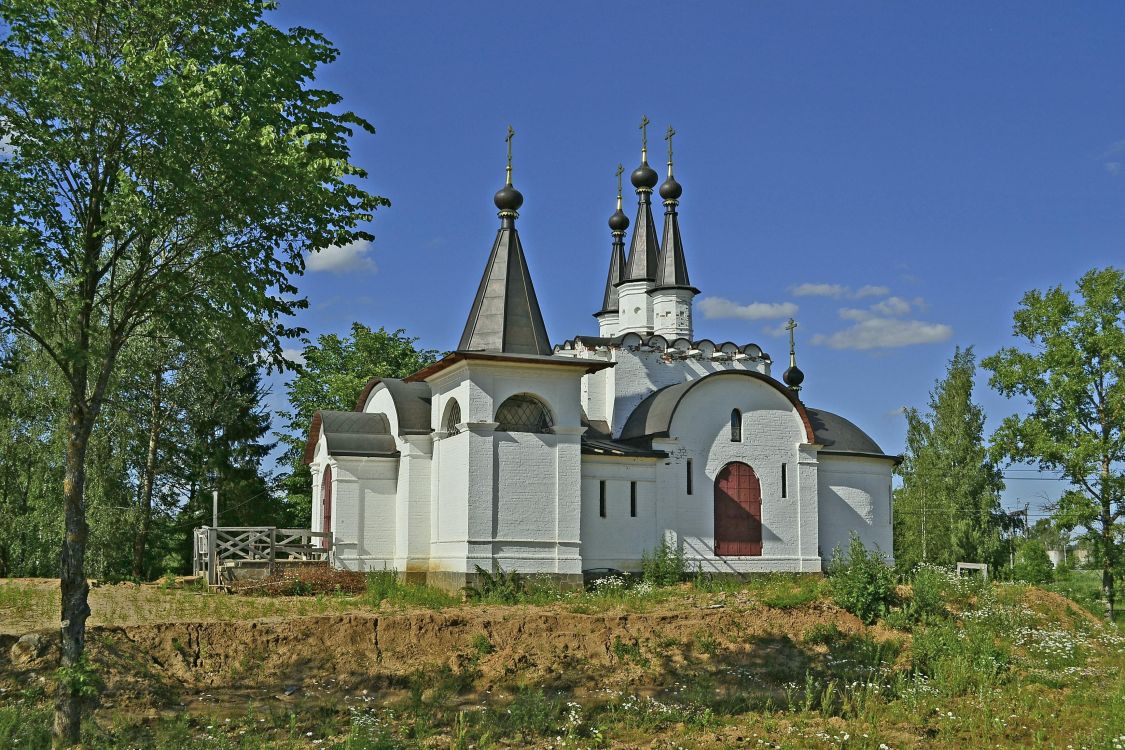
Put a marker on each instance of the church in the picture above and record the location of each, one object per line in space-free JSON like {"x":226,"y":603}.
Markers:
{"x":512,"y":452}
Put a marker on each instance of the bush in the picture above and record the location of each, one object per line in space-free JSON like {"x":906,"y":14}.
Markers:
{"x":927,"y":595}
{"x":664,"y":566}
{"x":1032,"y":563}
{"x":504,"y":587}
{"x":861,"y":583}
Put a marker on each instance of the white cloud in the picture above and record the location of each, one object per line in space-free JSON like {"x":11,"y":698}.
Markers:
{"x":884,"y":333}
{"x":296,"y":356}
{"x":347,"y":258}
{"x":894,"y":307}
{"x":871,"y":290}
{"x":1113,"y":167}
{"x":836,"y":291}
{"x":717,"y":307}
{"x":819,"y":290}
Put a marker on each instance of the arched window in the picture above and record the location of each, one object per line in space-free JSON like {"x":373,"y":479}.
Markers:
{"x":736,"y":426}
{"x":523,"y":413}
{"x":451,"y":424}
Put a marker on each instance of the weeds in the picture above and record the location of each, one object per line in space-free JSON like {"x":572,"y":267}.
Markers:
{"x":665,"y":565}
{"x":861,"y":583}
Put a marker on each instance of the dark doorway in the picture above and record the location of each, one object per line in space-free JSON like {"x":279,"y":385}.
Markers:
{"x":738,"y":511}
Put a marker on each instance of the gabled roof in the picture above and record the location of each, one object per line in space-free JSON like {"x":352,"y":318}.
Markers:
{"x":411,"y":400}
{"x":505,"y":315}
{"x":653,"y":416}
{"x":350,"y":433}
{"x":644,"y":249}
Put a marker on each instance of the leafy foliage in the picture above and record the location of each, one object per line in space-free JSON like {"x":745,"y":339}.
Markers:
{"x":1033,"y":565}
{"x":862,"y":582}
{"x":664,"y":565}
{"x":506,"y":587}
{"x":948,"y":508}
{"x":333,"y":374}
{"x":1073,"y":379}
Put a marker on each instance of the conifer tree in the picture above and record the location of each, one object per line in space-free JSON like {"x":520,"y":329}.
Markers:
{"x":948,"y":508}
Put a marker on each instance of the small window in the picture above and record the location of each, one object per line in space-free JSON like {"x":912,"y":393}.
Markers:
{"x":451,"y":425}
{"x":633,"y":499}
{"x":689,"y":476}
{"x":601,"y":498}
{"x":523,"y":413}
{"x":784,"y":482}
{"x":736,"y":426}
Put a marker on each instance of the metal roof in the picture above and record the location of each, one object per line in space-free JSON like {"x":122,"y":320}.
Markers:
{"x":653,"y":416}
{"x":411,"y":400}
{"x":671,"y":263}
{"x":643,"y":251}
{"x":610,"y":300}
{"x":841,"y":436}
{"x":350,"y":433}
{"x":505,"y":315}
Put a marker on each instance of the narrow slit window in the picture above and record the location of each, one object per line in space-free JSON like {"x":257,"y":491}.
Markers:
{"x":784,"y":482}
{"x":601,"y":498}
{"x":633,"y":499}
{"x":736,"y":426}
{"x":689,"y":476}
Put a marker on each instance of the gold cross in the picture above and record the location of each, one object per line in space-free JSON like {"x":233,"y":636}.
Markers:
{"x":644,"y":132}
{"x":790,"y":326}
{"x":508,"y":140}
{"x":619,"y":172}
{"x":668,"y":137}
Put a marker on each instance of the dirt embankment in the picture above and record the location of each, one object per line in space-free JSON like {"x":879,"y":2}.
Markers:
{"x":544,"y":645}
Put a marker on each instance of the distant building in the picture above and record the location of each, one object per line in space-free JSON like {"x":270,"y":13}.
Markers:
{"x":555,"y":459}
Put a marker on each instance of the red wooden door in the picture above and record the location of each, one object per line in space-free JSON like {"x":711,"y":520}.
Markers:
{"x":326,"y":504}
{"x":738,"y":511}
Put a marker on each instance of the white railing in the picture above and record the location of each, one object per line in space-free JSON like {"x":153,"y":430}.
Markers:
{"x":216,"y":547}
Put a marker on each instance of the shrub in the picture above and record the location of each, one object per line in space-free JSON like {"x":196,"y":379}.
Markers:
{"x":664,"y":566}
{"x":927,"y":595}
{"x":1032,"y":563}
{"x":861,"y":583}
{"x":505,"y":587}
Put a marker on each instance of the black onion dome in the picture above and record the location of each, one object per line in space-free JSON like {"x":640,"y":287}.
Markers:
{"x":508,"y":198}
{"x":619,"y":222}
{"x":644,"y":176}
{"x":671,"y":190}
{"x":793,"y":377}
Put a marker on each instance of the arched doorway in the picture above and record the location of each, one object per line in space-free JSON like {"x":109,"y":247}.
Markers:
{"x":326,"y":505}
{"x":738,"y":511}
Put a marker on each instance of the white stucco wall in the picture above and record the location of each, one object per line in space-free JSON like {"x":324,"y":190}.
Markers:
{"x":773,"y":433}
{"x":618,"y":540}
{"x":855,"y":495}
{"x":364,"y":512}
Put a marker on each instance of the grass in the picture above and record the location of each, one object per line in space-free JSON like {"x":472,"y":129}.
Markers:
{"x":989,"y":665}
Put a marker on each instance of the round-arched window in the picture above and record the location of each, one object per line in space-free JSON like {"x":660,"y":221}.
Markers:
{"x":451,"y":424}
{"x":523,"y":413}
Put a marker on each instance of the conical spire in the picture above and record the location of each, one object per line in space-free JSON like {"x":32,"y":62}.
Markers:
{"x":505,"y":316}
{"x":644,"y":250}
{"x":671,"y":264}
{"x":618,"y":223}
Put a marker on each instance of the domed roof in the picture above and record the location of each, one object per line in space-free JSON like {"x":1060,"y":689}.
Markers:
{"x":670,"y":190}
{"x":619,"y":222}
{"x":793,"y":377}
{"x":644,"y":176}
{"x":508,"y":198}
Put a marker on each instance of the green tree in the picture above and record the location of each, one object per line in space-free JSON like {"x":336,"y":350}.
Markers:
{"x":169,"y":162}
{"x":948,"y":508}
{"x":1073,"y":378}
{"x":335,"y":370}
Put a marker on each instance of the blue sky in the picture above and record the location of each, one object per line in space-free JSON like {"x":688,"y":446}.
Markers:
{"x":895,"y":175}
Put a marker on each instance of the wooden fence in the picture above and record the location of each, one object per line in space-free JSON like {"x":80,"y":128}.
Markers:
{"x":229,"y":547}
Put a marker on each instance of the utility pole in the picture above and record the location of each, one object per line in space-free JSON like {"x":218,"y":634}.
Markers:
{"x":215,"y":508}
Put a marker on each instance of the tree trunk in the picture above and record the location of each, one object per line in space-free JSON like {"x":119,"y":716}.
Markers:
{"x":1107,"y":558}
{"x":141,"y":540}
{"x":74,"y":587}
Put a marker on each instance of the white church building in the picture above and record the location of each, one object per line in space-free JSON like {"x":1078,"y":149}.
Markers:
{"x":515,"y":453}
